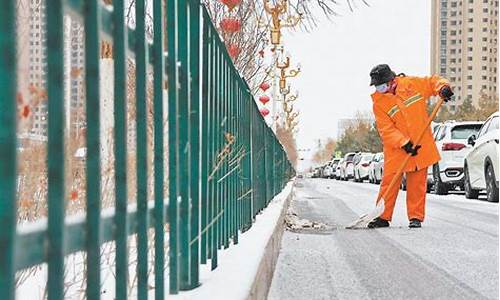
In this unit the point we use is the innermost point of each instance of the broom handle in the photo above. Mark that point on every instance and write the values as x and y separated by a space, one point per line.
407 158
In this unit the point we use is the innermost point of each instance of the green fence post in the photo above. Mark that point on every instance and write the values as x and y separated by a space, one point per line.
55 163
173 148
206 85
141 151
184 147
120 149
194 138
158 151
215 142
8 166
92 76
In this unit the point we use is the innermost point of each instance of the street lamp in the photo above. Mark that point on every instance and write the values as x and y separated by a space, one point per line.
275 11
284 73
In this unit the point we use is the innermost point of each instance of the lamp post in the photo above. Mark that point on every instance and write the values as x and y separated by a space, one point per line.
276 11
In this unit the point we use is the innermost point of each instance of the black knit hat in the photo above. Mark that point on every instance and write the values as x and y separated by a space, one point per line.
381 74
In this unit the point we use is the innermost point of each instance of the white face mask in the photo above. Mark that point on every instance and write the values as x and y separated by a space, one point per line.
382 88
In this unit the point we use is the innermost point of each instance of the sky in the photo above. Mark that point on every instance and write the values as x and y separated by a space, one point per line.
336 58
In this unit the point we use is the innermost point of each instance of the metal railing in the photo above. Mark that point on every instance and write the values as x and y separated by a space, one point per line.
225 164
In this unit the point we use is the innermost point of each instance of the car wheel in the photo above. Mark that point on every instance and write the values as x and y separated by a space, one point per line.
491 186
470 193
440 188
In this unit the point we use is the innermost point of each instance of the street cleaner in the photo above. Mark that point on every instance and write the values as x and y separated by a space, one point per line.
400 108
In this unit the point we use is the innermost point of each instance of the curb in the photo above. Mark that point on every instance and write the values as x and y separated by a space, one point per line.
264 276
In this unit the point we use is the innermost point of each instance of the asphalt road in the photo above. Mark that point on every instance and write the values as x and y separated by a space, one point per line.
453 256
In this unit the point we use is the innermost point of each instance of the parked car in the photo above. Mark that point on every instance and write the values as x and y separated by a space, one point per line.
362 167
481 163
337 170
328 170
376 165
334 163
451 141
347 166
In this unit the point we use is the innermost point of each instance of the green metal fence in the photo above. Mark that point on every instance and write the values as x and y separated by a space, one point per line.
225 164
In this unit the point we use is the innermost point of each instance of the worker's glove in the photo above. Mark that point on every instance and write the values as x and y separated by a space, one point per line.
408 148
446 93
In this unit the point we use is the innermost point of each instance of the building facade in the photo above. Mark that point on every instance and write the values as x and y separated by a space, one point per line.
464 47
32 68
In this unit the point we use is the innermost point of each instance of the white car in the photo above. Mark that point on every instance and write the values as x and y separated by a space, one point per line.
347 167
337 169
451 141
329 170
375 169
362 167
481 163
334 163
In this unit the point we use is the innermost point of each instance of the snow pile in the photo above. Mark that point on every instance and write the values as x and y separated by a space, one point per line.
238 265
294 223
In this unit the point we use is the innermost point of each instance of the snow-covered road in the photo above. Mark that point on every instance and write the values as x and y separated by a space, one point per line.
453 256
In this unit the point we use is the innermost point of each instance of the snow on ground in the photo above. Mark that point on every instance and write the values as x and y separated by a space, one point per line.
238 264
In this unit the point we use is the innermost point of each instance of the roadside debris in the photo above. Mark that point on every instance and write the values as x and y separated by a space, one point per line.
294 223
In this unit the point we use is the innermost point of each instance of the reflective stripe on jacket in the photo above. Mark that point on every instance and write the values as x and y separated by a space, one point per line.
400 117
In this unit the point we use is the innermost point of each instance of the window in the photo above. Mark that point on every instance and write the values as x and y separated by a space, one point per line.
484 128
485 29
462 132
469 87
485 58
484 77
471 10
485 20
493 124
485 10
469 77
453 32
469 39
470 29
486 49
469 58
484 68
469 68
453 23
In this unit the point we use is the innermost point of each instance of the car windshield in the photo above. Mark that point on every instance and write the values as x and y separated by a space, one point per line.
350 157
367 157
462 132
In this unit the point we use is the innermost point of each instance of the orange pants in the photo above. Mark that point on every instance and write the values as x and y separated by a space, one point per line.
416 189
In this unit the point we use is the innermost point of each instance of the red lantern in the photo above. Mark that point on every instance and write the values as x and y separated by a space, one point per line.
264 86
231 3
264 112
233 50
264 99
261 53
25 111
230 25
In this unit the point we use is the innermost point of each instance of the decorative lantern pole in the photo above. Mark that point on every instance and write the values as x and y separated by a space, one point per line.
276 11
284 74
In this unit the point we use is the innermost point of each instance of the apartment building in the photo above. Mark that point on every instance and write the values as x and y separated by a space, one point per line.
464 47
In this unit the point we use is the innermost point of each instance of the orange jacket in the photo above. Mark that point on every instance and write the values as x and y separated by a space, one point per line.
401 117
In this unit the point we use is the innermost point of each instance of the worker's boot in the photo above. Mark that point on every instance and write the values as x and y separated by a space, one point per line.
415 223
378 222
